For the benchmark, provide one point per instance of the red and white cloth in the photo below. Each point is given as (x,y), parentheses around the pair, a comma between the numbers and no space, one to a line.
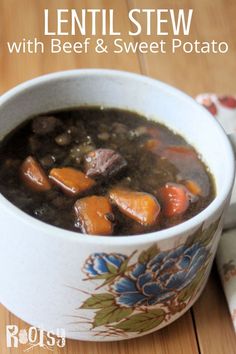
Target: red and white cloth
(223,109)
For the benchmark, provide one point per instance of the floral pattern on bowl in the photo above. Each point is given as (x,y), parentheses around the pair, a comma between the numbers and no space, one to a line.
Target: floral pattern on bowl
(142,295)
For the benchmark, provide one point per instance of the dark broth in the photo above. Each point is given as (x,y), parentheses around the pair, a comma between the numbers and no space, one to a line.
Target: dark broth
(149,166)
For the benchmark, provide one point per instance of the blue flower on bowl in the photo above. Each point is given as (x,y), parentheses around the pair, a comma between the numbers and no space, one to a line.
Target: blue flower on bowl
(144,290)
(99,264)
(161,278)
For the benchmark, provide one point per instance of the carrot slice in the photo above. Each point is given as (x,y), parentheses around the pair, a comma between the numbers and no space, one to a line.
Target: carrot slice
(71,181)
(92,215)
(33,175)
(139,206)
(152,145)
(181,151)
(175,199)
(193,187)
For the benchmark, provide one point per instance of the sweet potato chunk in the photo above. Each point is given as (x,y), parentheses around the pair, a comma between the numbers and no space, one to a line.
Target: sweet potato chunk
(93,215)
(71,181)
(139,206)
(34,176)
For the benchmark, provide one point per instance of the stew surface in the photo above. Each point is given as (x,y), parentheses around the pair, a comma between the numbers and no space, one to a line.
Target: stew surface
(103,172)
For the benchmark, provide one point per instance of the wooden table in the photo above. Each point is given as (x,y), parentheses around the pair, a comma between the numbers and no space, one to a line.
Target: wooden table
(206,328)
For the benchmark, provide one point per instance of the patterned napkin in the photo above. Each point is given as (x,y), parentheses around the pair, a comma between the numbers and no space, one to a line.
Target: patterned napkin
(224,110)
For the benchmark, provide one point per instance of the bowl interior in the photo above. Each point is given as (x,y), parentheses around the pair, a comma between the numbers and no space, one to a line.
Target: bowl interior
(151,98)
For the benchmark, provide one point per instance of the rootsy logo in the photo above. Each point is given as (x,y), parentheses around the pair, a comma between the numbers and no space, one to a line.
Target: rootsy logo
(33,337)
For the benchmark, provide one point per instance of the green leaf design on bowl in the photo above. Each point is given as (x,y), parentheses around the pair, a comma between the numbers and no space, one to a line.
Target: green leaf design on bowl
(142,322)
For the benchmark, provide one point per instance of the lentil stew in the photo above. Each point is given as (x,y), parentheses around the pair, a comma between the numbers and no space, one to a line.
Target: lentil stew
(103,172)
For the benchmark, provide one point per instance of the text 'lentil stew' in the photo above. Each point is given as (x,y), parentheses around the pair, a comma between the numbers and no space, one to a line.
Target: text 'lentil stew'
(103,172)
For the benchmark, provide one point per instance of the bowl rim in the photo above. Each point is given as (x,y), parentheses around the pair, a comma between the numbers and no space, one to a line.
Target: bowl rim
(155,236)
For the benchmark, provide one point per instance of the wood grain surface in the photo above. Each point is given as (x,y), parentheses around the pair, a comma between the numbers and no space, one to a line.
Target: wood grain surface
(207,328)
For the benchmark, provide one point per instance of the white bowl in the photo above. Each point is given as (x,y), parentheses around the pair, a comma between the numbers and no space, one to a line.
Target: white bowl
(53,278)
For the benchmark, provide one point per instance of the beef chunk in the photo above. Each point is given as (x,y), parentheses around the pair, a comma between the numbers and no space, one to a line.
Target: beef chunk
(104,163)
(45,124)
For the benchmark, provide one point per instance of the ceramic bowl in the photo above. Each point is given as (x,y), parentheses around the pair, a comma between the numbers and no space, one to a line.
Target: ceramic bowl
(111,288)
